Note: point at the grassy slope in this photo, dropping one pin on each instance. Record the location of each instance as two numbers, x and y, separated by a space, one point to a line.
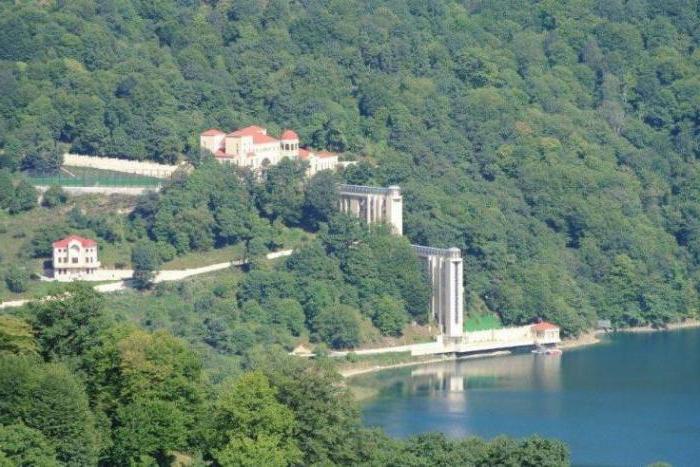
16 231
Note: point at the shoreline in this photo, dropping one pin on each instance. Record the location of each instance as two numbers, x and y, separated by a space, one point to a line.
686 324
351 372
584 340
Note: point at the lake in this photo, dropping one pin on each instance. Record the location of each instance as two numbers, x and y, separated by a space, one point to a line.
631 400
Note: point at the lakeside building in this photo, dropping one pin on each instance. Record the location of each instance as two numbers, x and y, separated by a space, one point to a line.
546 332
74 258
252 147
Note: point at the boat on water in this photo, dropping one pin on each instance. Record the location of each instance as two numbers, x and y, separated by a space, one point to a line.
542 350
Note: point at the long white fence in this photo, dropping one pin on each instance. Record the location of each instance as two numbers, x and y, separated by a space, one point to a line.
148 169
102 190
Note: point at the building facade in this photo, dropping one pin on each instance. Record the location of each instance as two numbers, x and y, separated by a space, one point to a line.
373 204
75 258
444 266
253 148
445 270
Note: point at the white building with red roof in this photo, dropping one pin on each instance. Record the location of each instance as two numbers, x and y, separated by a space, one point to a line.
252 147
75 258
546 332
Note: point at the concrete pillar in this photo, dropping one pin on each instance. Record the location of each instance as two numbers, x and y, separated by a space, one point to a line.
394 209
367 208
445 270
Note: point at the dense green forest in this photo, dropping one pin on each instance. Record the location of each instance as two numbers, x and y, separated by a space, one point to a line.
554 142
79 388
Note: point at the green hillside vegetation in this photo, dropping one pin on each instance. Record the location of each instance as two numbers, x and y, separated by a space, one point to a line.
80 387
554 142
347 274
345 285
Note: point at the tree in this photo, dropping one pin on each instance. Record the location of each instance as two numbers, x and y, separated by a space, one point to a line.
320 199
68 325
54 196
327 419
151 387
16 279
40 246
149 428
358 174
21 445
44 160
338 326
288 313
282 192
24 199
145 259
256 428
389 315
16 337
49 399
7 189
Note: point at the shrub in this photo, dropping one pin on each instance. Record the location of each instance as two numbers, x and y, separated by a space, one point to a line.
338 326
166 251
146 260
352 357
24 198
389 315
16 279
54 196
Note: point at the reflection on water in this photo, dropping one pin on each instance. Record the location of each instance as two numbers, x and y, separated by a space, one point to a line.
632 401
457 376
543 371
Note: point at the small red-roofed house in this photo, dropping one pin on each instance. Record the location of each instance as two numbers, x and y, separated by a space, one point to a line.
545 331
74 257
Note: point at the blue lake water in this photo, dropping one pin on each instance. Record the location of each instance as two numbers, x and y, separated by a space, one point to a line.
631 400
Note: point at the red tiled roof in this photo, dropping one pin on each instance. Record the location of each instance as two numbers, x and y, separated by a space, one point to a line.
544 326
221 153
289 134
325 154
213 132
85 242
249 131
259 138
304 154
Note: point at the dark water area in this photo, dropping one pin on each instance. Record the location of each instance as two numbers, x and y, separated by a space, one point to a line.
632 400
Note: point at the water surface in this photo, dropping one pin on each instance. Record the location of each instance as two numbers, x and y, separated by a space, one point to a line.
632 400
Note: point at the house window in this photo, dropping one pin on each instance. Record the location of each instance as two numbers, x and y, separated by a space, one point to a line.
74 260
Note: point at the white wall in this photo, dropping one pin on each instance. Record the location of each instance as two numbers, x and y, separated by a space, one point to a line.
103 190
150 169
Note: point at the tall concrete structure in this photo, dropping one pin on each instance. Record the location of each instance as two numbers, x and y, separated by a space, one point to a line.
444 266
445 272
374 204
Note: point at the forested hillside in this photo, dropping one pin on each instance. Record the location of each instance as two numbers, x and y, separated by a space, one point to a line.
78 388
555 142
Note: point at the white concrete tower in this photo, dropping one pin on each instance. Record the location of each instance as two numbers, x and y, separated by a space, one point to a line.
394 209
445 272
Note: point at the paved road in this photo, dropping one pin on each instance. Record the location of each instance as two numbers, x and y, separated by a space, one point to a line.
162 276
